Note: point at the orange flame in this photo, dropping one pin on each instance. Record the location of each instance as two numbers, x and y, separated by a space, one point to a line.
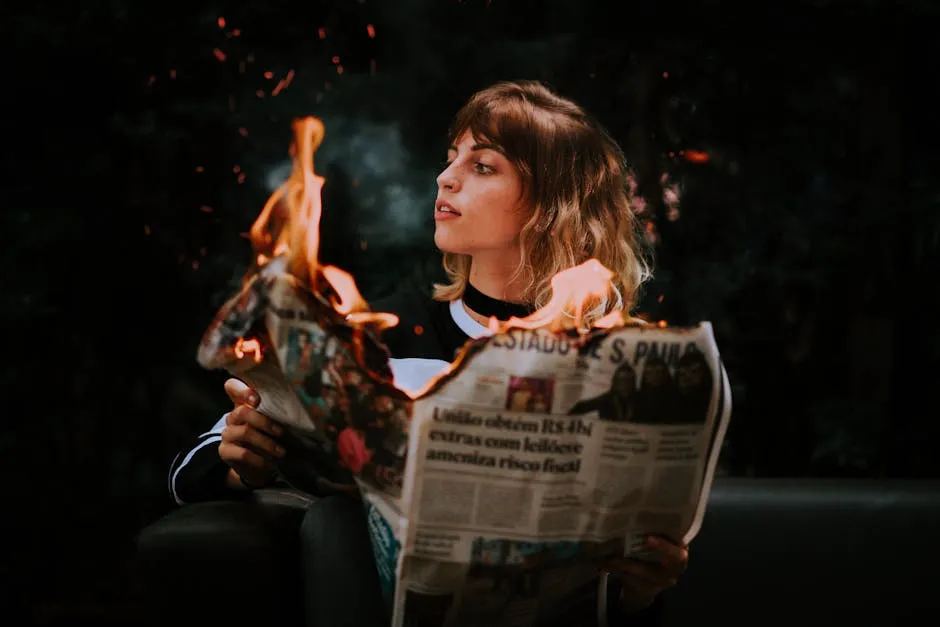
244 347
572 289
289 226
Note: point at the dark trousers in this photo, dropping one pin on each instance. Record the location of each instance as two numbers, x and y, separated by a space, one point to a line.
341 583
260 562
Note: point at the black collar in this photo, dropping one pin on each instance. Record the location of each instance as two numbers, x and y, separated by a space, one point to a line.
488 306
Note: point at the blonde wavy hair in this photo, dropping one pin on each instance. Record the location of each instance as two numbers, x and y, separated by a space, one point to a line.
576 179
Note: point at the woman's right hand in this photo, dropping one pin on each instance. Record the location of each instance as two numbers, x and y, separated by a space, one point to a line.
248 440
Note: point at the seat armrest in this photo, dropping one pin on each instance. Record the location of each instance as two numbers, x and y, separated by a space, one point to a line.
226 562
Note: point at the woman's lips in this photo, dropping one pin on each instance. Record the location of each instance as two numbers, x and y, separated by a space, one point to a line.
443 211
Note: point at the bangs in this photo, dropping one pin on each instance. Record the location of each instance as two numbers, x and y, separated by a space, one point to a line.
503 122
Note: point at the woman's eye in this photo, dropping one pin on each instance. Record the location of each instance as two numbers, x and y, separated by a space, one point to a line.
482 168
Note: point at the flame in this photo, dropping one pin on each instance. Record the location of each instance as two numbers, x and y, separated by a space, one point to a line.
244 347
289 226
572 289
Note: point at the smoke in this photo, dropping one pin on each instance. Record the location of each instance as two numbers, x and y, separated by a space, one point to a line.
386 133
391 195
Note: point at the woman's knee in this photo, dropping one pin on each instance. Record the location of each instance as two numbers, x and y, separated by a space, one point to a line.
332 519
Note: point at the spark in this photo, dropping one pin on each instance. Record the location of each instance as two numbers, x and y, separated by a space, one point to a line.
371 30
283 83
221 22
218 54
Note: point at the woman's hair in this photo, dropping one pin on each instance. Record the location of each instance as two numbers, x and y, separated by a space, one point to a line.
575 178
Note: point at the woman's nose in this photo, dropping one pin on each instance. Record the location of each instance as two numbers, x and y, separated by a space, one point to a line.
448 180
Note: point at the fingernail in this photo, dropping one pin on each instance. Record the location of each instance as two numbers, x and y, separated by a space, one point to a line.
277 429
280 450
252 399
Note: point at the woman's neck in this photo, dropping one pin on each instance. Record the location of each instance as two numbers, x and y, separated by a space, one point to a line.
495 280
494 277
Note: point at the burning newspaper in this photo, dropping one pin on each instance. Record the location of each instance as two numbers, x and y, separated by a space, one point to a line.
494 493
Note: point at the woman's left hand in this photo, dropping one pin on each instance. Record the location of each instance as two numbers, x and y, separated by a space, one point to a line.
644 580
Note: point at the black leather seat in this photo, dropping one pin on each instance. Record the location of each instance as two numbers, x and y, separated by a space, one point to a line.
770 552
225 563
813 552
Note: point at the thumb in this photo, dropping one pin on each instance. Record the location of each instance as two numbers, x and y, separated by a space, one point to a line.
240 394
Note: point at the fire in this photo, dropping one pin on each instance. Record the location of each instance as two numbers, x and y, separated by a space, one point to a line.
287 229
572 289
244 347
289 226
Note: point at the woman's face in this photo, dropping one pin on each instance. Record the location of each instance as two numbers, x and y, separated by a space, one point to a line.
480 206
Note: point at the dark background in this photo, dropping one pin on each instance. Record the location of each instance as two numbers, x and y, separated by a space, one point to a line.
137 158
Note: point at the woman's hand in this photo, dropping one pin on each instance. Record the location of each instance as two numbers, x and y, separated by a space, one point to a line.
643 581
248 444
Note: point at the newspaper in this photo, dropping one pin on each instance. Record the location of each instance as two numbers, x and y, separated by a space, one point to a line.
493 495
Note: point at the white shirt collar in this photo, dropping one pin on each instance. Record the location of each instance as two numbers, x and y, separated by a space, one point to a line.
467 324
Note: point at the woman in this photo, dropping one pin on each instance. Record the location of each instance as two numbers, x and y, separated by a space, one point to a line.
532 186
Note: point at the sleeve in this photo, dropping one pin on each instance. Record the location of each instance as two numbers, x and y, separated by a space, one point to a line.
198 473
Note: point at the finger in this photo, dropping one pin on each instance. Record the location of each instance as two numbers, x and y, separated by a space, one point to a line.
249 437
673 556
240 393
244 415
236 455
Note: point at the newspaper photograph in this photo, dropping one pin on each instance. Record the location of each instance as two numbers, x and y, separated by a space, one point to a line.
494 493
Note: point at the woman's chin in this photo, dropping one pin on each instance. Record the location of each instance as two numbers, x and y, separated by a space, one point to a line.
446 243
